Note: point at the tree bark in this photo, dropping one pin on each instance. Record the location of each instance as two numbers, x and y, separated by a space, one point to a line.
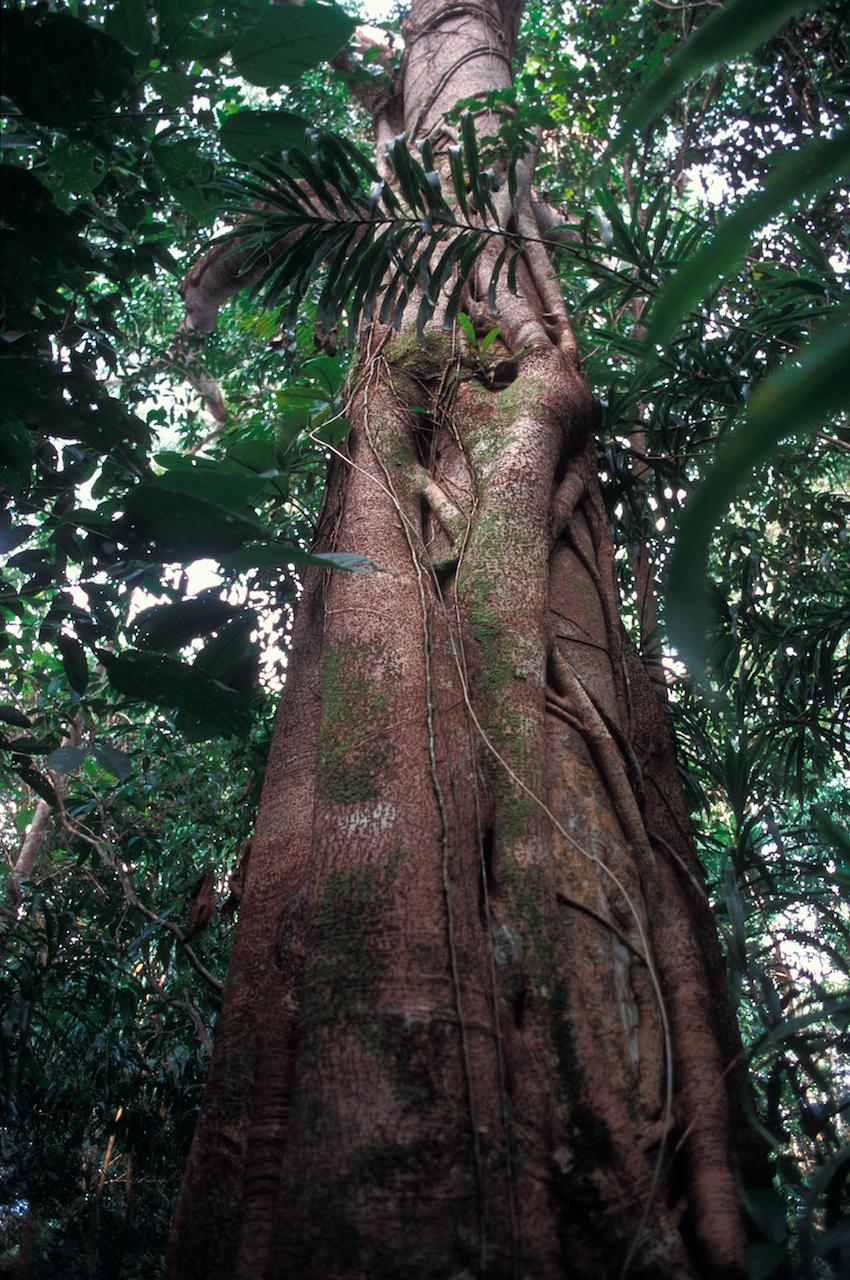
30 849
476 1020
36 833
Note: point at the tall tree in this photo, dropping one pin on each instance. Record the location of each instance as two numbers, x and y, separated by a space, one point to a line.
146 733
475 1021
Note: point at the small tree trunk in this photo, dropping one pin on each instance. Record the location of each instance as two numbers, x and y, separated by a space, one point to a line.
36 834
31 847
476 1020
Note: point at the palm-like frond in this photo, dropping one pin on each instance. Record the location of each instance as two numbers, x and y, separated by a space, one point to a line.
377 242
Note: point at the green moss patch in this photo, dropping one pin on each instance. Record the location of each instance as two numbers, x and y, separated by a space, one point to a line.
352 745
345 963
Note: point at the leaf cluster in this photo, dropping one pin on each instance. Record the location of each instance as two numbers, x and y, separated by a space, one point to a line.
383 244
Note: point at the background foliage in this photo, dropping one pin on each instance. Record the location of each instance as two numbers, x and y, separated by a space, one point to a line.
160 495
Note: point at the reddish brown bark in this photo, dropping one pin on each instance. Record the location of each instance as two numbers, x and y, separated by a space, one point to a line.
475 1023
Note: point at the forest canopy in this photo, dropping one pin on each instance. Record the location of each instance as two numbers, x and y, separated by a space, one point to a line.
162 479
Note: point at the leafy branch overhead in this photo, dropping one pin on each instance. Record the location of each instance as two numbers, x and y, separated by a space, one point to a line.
378 241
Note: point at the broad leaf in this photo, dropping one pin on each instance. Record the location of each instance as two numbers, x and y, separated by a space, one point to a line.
173 87
166 682
74 661
59 70
247 135
188 173
288 41
170 626
11 715
326 372
66 759
167 524
233 487
128 23
233 655
256 457
116 762
29 744
39 782
175 19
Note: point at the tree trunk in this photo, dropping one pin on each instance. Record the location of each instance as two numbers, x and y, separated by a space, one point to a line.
36 833
476 1021
31 847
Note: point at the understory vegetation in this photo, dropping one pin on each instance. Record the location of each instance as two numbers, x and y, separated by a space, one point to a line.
161 484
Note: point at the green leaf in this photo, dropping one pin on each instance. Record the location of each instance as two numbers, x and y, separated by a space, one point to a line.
326 372
814 168
172 86
320 197
834 1007
233 487
167 682
29 745
409 173
79 168
148 931
488 340
11 715
735 909
825 1191
170 626
232 656
58 70
767 1211
65 760
127 22
458 178
116 762
330 428
258 457
468 328
276 556
246 135
350 561
735 29
831 833
38 781
798 396
74 661
471 157
288 41
187 173
175 20
763 1260
174 525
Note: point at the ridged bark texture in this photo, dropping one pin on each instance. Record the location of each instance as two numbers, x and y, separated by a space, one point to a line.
476 1021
